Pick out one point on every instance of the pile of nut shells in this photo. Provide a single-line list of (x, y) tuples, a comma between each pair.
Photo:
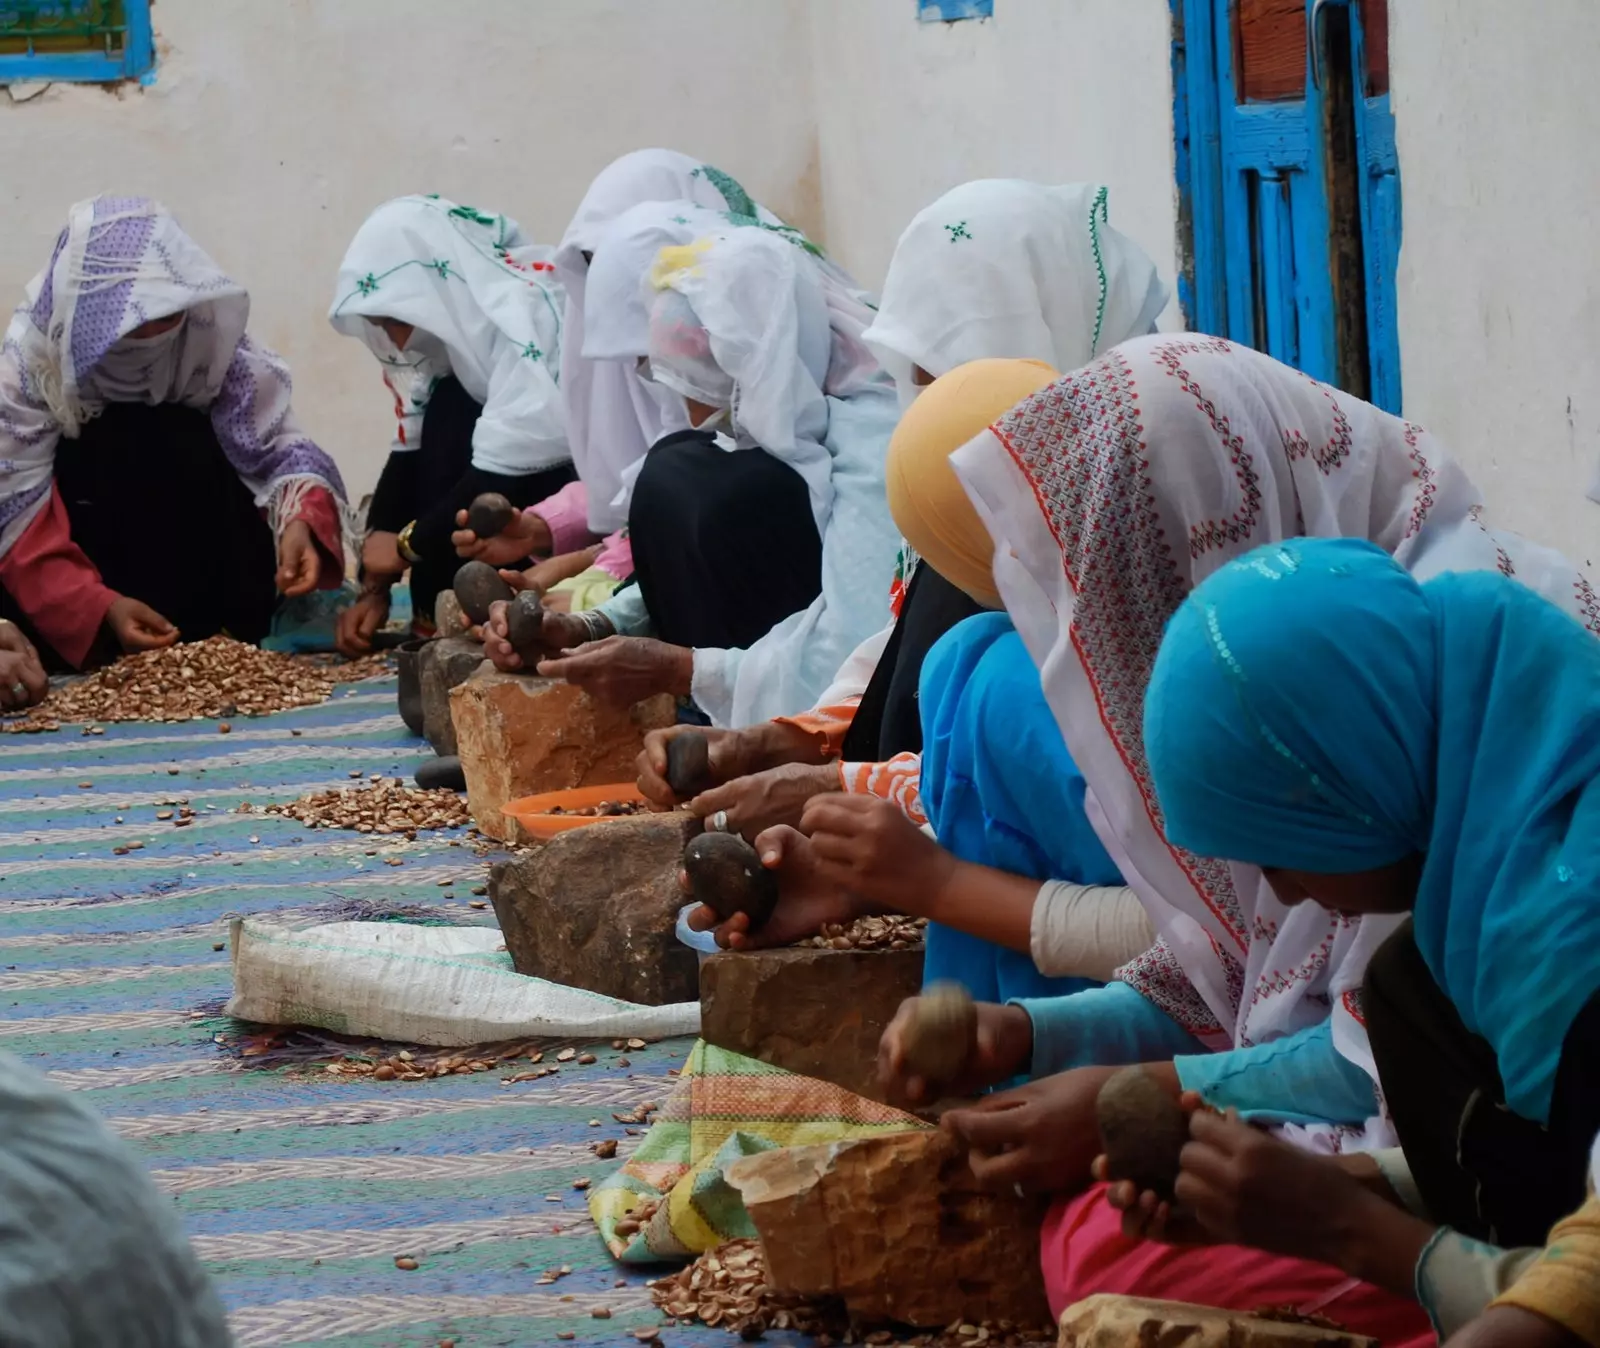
[(727, 1286), (891, 931), (217, 677), (383, 807)]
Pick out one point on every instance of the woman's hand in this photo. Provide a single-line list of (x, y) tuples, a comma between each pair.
[(1039, 1138), (559, 632), (736, 754), (22, 677), (526, 535), (299, 563), (137, 626), (1004, 1049), (867, 845), (767, 799), (806, 902), (380, 556), (730, 757), (359, 623), (624, 670)]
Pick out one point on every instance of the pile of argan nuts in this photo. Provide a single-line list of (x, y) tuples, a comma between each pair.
[(727, 1286), (386, 807), (892, 931), (217, 677)]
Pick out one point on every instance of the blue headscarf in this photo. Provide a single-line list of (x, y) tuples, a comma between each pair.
[(1314, 708)]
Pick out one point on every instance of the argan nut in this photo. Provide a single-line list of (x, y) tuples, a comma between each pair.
[(1142, 1131), (942, 1034), (525, 624), (478, 585), (405, 1263), (489, 514), (689, 765), (726, 875)]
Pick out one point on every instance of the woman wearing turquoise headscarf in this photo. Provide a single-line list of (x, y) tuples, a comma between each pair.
[(1383, 746)]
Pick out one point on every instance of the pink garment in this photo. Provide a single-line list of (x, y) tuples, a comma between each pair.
[(1083, 1252), (567, 516), (55, 583)]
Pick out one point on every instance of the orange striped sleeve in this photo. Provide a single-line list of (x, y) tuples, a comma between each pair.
[(898, 781)]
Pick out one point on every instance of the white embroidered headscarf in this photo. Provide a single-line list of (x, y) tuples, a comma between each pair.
[(740, 319), (487, 308), (751, 309), (612, 418), (1003, 268), (1109, 496), (123, 262)]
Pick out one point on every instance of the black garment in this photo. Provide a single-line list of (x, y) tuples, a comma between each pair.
[(889, 719), (1481, 1169), (154, 503), (725, 546), (431, 483)]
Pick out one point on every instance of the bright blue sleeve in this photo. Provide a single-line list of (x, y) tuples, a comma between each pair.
[(1301, 1078), (627, 613), (1101, 1027)]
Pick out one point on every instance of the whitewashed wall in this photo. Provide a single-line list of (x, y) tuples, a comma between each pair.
[(1496, 111), (1056, 90), (273, 128)]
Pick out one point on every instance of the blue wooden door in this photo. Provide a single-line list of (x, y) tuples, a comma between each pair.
[(1287, 168)]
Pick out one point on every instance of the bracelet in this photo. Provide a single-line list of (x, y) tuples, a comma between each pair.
[(403, 543), (596, 625)]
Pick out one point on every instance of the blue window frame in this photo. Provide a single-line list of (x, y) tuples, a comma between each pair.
[(82, 40), (948, 11), (1253, 178)]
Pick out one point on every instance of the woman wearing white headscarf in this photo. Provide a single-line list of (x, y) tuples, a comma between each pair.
[(1109, 495), (464, 313), (142, 431), (612, 417), (996, 269), (763, 552)]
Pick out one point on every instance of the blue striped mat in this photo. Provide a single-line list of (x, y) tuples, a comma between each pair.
[(299, 1188)]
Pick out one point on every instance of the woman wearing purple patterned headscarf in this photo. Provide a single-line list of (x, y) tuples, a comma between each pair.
[(152, 479)]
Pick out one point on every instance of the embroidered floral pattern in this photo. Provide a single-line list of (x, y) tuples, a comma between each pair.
[(531, 351), (367, 284), (958, 231)]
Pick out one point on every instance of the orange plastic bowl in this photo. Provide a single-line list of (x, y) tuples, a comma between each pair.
[(533, 817)]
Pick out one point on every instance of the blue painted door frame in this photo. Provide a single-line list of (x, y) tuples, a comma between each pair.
[(1253, 182)]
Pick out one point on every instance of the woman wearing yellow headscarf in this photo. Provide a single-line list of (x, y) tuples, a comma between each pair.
[(998, 787)]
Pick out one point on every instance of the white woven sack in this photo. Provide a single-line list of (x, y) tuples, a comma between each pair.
[(441, 986)]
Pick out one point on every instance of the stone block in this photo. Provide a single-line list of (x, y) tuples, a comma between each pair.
[(597, 908), (441, 665), (1107, 1321), (817, 1012), (520, 735), (898, 1228)]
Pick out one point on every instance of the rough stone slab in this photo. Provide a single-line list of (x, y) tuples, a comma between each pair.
[(442, 665), (597, 908), (1107, 1321), (898, 1227), (817, 1012), (520, 735)]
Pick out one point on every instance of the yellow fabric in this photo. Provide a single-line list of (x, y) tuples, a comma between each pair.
[(589, 589), (676, 258), (928, 502), (1564, 1285)]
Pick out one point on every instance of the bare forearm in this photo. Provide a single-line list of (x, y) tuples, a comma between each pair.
[(1378, 1241), (993, 905), (775, 743)]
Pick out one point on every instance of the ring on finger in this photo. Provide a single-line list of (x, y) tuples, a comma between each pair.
[(718, 823)]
